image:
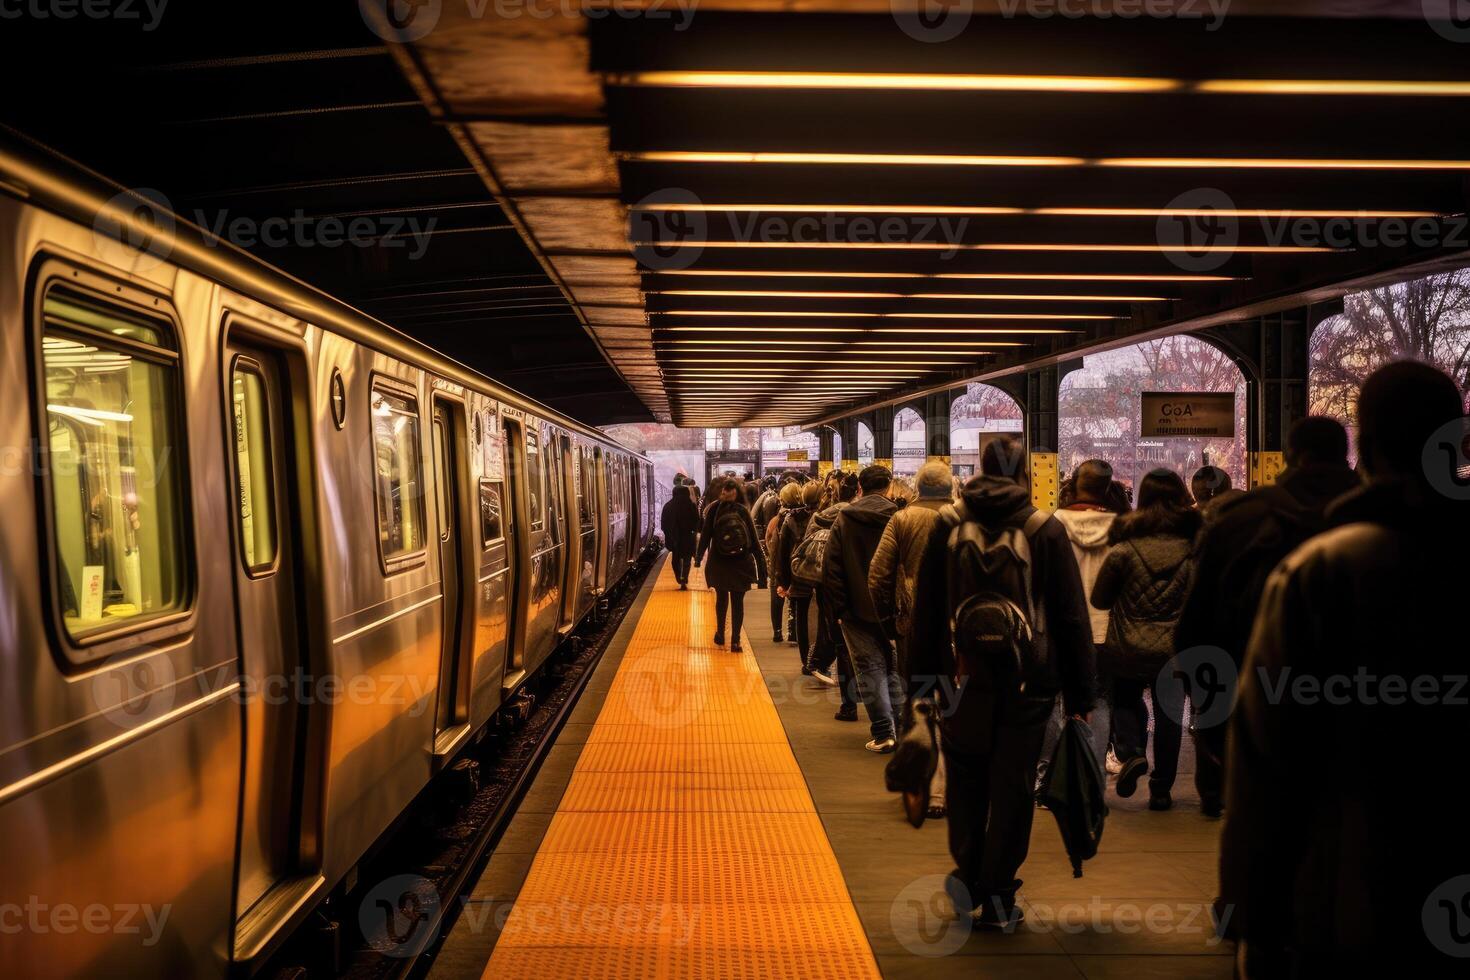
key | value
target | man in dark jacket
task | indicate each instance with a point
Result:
(680, 523)
(1353, 694)
(855, 537)
(1242, 542)
(991, 755)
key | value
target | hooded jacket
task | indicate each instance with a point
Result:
(793, 529)
(1356, 666)
(680, 523)
(1072, 666)
(1245, 540)
(1087, 529)
(855, 535)
(1144, 582)
(895, 565)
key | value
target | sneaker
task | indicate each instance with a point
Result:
(848, 712)
(1212, 808)
(1160, 801)
(1111, 764)
(1004, 920)
(719, 639)
(826, 680)
(1132, 771)
(936, 810)
(776, 638)
(882, 746)
(683, 586)
(735, 646)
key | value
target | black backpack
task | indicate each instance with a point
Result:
(731, 539)
(995, 620)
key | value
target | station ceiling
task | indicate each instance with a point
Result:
(745, 212)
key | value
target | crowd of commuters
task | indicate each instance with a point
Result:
(1332, 570)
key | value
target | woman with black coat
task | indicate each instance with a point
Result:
(793, 529)
(732, 565)
(680, 523)
(1144, 581)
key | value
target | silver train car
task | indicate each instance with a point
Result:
(266, 565)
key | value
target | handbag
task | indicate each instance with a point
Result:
(911, 770)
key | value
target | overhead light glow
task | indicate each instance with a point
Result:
(1070, 212)
(1039, 277)
(970, 160)
(838, 343)
(989, 246)
(789, 294)
(946, 331)
(847, 314)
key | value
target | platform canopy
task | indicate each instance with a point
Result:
(772, 213)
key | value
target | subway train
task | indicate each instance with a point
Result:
(266, 566)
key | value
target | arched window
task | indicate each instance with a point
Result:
(976, 417)
(909, 444)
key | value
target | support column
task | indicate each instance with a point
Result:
(848, 428)
(825, 447)
(935, 410)
(1042, 437)
(881, 423)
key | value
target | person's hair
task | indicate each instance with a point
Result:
(1316, 439)
(1400, 407)
(1207, 483)
(811, 495)
(1164, 507)
(729, 485)
(875, 479)
(848, 488)
(934, 481)
(1119, 498)
(681, 491)
(790, 495)
(1092, 480)
(1004, 457)
(901, 490)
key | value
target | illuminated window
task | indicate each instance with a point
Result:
(255, 498)
(491, 527)
(115, 464)
(399, 486)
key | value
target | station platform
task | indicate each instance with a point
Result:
(703, 815)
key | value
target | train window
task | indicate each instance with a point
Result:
(584, 488)
(534, 479)
(399, 486)
(116, 472)
(491, 527)
(255, 489)
(551, 464)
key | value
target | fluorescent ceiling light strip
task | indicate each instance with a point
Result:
(970, 160)
(824, 353)
(945, 331)
(795, 294)
(848, 314)
(796, 360)
(966, 82)
(699, 341)
(993, 246)
(1070, 212)
(1020, 276)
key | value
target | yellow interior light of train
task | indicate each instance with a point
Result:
(973, 160)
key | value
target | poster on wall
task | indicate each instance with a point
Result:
(1197, 414)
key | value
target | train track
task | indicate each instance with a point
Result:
(388, 921)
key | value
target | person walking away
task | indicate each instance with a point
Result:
(680, 523)
(893, 576)
(767, 503)
(797, 594)
(854, 539)
(992, 726)
(790, 499)
(728, 537)
(1087, 518)
(1241, 543)
(1354, 686)
(1144, 581)
(1208, 483)
(829, 654)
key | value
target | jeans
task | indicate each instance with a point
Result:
(830, 651)
(736, 602)
(681, 568)
(801, 606)
(877, 679)
(990, 803)
(1130, 730)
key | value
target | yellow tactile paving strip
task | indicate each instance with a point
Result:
(687, 844)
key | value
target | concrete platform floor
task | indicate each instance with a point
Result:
(1140, 911)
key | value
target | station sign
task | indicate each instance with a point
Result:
(796, 456)
(1197, 414)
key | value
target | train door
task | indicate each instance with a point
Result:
(571, 506)
(268, 581)
(451, 474)
(604, 510)
(517, 528)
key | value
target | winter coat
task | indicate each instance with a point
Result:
(1087, 529)
(721, 573)
(772, 529)
(1143, 582)
(765, 508)
(896, 562)
(793, 529)
(1056, 586)
(855, 536)
(1243, 542)
(680, 523)
(1355, 669)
